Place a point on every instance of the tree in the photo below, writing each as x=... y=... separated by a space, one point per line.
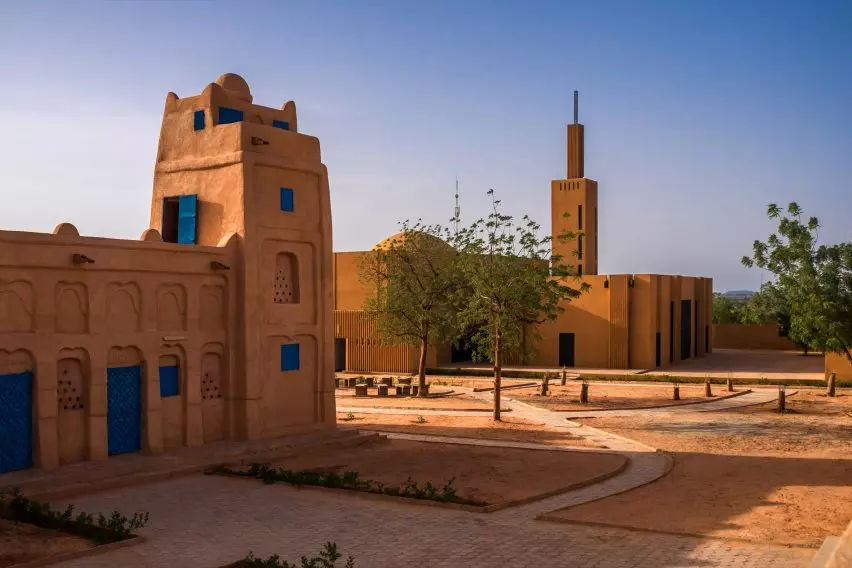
x=414 y=282
x=726 y=309
x=816 y=280
x=513 y=280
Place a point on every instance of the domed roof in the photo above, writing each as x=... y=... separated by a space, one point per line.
x=400 y=238
x=236 y=85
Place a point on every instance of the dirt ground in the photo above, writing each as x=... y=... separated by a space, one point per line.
x=455 y=402
x=508 y=429
x=748 y=473
x=613 y=396
x=492 y=475
x=22 y=542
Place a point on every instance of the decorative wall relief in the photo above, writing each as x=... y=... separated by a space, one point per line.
x=70 y=385
x=12 y=362
x=124 y=307
x=211 y=304
x=171 y=307
x=286 y=285
x=72 y=307
x=16 y=306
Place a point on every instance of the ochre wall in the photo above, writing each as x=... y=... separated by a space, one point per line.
x=741 y=336
x=836 y=363
x=350 y=293
x=566 y=196
x=71 y=322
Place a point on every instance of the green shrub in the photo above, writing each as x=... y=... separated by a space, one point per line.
x=327 y=558
x=101 y=530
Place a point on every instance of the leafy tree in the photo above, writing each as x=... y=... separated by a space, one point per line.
x=415 y=283
x=816 y=280
x=513 y=280
x=726 y=309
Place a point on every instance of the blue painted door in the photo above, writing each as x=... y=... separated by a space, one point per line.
x=124 y=410
x=187 y=212
x=16 y=421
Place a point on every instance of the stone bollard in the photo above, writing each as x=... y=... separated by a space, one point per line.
x=369 y=382
x=730 y=384
x=361 y=390
x=564 y=376
x=387 y=381
x=584 y=392
x=545 y=382
x=676 y=392
x=383 y=390
x=708 y=390
x=782 y=399
x=832 y=385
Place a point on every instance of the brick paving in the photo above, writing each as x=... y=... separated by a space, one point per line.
x=208 y=521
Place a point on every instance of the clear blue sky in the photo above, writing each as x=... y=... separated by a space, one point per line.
x=697 y=114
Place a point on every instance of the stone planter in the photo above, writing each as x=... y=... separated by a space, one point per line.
x=361 y=390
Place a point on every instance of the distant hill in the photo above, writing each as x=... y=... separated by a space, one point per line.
x=739 y=294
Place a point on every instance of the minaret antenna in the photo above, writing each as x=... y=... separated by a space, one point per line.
x=576 y=107
x=457 y=210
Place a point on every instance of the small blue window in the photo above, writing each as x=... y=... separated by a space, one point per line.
x=169 y=381
x=229 y=115
x=198 y=120
x=283 y=124
x=290 y=357
x=286 y=199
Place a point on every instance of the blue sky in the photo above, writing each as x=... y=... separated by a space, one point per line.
x=697 y=114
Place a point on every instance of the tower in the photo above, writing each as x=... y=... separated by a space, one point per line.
x=574 y=206
x=229 y=170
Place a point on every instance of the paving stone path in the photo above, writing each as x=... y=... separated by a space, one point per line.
x=209 y=521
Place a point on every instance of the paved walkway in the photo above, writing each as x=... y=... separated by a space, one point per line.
x=207 y=521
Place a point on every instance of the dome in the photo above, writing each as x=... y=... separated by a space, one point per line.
x=399 y=238
x=236 y=85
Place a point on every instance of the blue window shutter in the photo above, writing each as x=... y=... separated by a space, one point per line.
x=169 y=381
x=198 y=120
x=229 y=115
x=290 y=357
x=282 y=124
x=187 y=209
x=286 y=199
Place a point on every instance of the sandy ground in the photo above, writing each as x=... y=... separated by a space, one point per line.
x=748 y=473
x=492 y=475
x=508 y=429
x=455 y=402
x=22 y=542
x=613 y=396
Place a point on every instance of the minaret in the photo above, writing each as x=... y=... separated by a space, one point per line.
x=574 y=205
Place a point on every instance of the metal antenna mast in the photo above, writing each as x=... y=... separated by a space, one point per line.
x=457 y=210
x=576 y=107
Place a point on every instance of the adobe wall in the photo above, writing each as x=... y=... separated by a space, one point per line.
x=146 y=302
x=743 y=336
x=836 y=363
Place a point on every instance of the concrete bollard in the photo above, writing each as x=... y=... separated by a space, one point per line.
x=361 y=390
x=383 y=390
x=708 y=390
x=676 y=392
x=782 y=399
x=584 y=392
x=564 y=376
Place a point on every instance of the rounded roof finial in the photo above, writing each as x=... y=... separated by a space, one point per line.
x=236 y=85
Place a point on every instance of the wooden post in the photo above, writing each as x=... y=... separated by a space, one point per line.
x=730 y=384
x=545 y=381
x=584 y=392
x=676 y=392
x=782 y=399
x=708 y=391
x=564 y=376
x=832 y=384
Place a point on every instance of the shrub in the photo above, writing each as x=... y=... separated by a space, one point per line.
x=327 y=558
x=101 y=530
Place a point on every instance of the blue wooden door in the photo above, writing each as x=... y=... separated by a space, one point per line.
x=124 y=410
x=187 y=212
x=16 y=421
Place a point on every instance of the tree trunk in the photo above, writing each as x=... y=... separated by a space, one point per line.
x=421 y=368
x=497 y=371
x=782 y=399
x=832 y=382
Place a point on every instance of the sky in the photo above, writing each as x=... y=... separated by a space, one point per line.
x=697 y=114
